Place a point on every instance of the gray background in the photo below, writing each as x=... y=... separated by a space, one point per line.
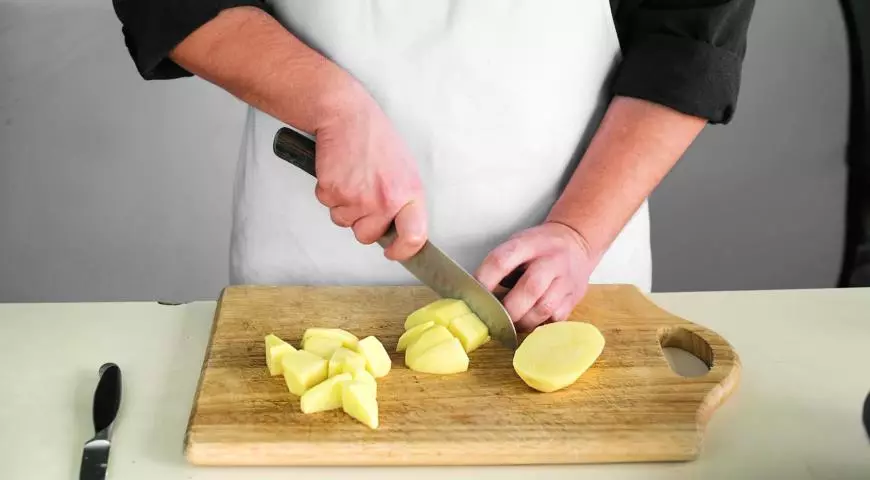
x=112 y=188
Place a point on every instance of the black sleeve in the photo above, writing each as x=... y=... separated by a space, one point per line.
x=152 y=28
x=684 y=54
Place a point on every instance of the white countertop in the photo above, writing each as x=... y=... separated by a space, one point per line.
x=796 y=414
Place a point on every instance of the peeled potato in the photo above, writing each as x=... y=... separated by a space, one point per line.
x=358 y=400
x=347 y=339
x=412 y=335
x=427 y=340
x=470 y=331
x=275 y=351
x=364 y=376
x=444 y=358
x=324 y=396
x=344 y=360
x=440 y=311
x=303 y=370
x=323 y=347
x=377 y=359
x=555 y=355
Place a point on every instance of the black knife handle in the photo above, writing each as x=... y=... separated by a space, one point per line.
x=510 y=281
x=107 y=397
x=296 y=149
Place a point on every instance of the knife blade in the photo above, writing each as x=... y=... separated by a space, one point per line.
x=430 y=264
x=107 y=401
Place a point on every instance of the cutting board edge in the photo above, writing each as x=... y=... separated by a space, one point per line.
x=350 y=455
x=727 y=387
x=194 y=408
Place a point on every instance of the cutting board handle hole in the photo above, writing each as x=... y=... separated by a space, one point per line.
x=687 y=353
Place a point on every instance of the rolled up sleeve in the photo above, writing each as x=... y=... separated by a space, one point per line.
x=152 y=28
x=684 y=54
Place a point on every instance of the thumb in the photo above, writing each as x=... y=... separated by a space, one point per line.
x=411 y=231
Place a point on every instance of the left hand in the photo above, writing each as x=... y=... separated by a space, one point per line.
x=557 y=262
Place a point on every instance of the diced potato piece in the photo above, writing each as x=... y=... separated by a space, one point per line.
x=445 y=358
x=470 y=331
x=555 y=355
x=345 y=360
x=427 y=340
x=324 y=396
x=348 y=340
x=440 y=311
x=323 y=347
x=412 y=335
x=275 y=351
x=303 y=370
x=364 y=376
x=358 y=400
x=377 y=359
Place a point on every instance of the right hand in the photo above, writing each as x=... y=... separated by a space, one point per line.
x=367 y=177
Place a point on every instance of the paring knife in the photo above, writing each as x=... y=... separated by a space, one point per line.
x=430 y=265
x=107 y=401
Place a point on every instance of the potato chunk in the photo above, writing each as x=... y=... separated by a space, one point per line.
x=440 y=311
x=378 y=361
x=358 y=400
x=362 y=375
x=344 y=360
x=412 y=335
x=444 y=358
x=303 y=370
x=427 y=340
x=555 y=355
x=470 y=331
x=275 y=351
x=324 y=396
x=323 y=347
x=348 y=340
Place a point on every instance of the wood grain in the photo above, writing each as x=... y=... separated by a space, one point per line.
x=628 y=407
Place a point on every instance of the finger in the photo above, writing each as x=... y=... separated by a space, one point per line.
x=411 y=231
x=548 y=305
x=503 y=260
x=370 y=228
x=562 y=313
x=345 y=215
x=574 y=296
x=328 y=196
x=324 y=196
x=530 y=288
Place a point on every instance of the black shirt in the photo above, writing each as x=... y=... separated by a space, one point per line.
x=684 y=54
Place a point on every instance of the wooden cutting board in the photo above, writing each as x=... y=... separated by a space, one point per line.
x=628 y=407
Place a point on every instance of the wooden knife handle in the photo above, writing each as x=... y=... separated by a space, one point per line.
x=296 y=149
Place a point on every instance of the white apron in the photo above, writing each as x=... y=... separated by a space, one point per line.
x=496 y=99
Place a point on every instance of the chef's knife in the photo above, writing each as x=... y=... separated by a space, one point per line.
x=430 y=265
x=107 y=401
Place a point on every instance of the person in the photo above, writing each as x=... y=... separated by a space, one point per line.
x=516 y=135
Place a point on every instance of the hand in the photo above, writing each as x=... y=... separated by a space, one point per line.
x=367 y=177
x=557 y=265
